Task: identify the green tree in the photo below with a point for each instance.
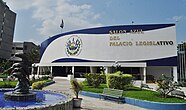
(4, 66)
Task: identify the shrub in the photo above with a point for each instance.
(119, 80)
(182, 84)
(44, 77)
(7, 84)
(150, 79)
(38, 85)
(103, 78)
(166, 85)
(88, 78)
(47, 72)
(94, 79)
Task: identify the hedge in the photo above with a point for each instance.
(119, 80)
(95, 79)
(38, 85)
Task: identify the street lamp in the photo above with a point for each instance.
(102, 69)
(117, 66)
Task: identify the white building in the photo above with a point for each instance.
(145, 50)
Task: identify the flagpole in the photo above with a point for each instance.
(62, 25)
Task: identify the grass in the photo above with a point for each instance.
(95, 90)
(149, 95)
(46, 80)
(137, 93)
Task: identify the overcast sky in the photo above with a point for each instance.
(39, 19)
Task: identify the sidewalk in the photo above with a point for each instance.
(97, 104)
(89, 103)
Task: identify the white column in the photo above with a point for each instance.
(93, 69)
(32, 72)
(51, 70)
(73, 72)
(144, 75)
(71, 76)
(38, 70)
(175, 74)
(106, 70)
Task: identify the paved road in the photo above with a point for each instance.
(89, 103)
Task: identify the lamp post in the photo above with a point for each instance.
(117, 66)
(102, 69)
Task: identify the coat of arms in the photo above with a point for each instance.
(73, 46)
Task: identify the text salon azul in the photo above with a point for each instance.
(115, 40)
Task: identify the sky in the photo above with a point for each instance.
(38, 20)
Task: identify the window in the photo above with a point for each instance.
(19, 48)
(25, 47)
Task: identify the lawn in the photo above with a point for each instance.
(137, 93)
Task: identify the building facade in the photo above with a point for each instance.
(146, 51)
(7, 25)
(30, 49)
(23, 47)
(182, 61)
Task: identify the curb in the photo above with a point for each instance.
(143, 103)
(49, 83)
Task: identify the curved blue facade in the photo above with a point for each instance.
(104, 30)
